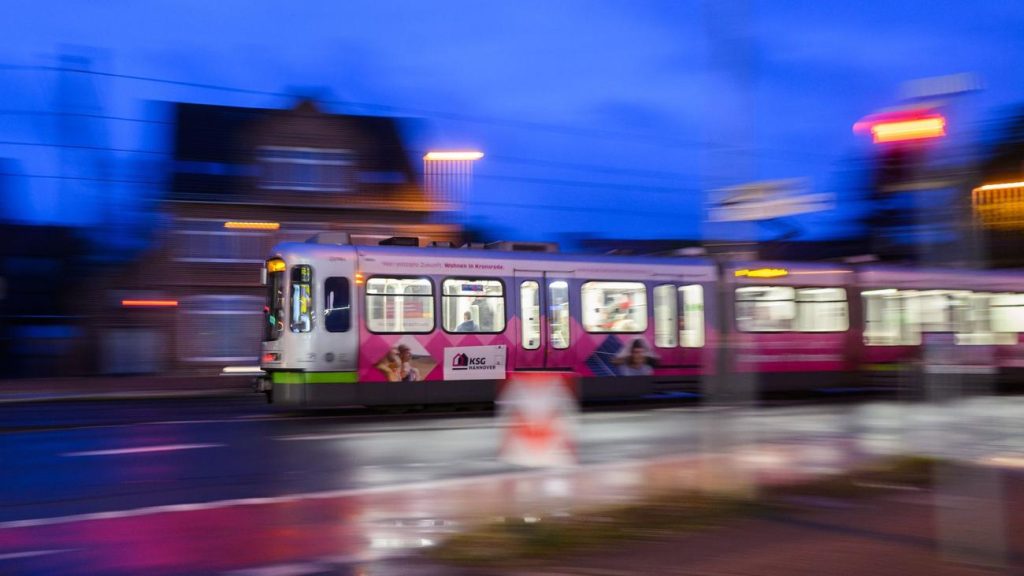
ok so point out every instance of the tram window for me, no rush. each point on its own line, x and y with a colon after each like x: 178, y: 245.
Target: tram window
x: 987, y: 319
x: 337, y: 305
x: 529, y: 311
x: 940, y: 310
x: 890, y: 318
x: 473, y: 306
x: 821, y: 310
x: 691, y: 317
x: 614, y: 307
x: 1007, y: 313
x: 765, y: 308
x: 302, y: 298
x: 273, y: 308
x: 665, y: 317
x: 399, y: 305
x: 558, y: 314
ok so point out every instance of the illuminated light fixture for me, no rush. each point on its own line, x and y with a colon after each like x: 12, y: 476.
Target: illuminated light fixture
x: 453, y: 156
x: 252, y: 225
x: 276, y: 265
x: 1005, y: 186
x: 359, y: 278
x: 149, y: 303
x: 918, y: 129
x: 762, y: 273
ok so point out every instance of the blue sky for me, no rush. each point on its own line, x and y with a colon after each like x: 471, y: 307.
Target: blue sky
x: 603, y: 118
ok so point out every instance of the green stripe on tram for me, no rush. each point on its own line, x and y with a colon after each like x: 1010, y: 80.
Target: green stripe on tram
x: 314, y: 378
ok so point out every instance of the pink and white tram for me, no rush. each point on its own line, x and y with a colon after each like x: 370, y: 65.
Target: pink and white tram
x: 376, y: 325
x: 380, y: 325
x: 964, y: 322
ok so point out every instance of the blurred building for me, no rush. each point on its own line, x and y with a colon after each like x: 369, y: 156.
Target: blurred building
x: 240, y: 181
x: 40, y: 293
x: 998, y: 200
x: 727, y: 250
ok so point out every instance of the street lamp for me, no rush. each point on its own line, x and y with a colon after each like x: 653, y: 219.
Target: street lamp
x: 448, y: 176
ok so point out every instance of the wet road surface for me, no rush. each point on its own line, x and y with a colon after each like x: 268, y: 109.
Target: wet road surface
x: 230, y: 486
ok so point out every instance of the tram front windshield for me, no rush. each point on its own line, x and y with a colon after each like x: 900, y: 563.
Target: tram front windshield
x: 273, y: 309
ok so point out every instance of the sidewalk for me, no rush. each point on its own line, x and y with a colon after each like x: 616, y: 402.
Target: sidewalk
x: 121, y: 387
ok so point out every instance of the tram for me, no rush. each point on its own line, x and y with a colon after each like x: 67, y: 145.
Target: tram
x: 408, y: 325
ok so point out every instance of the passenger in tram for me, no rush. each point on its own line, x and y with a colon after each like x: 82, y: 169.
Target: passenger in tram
x: 467, y: 324
x: 407, y: 371
x: 637, y: 362
x: 391, y: 365
x: 484, y: 313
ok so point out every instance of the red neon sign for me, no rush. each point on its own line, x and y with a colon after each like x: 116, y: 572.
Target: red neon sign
x: 149, y: 303
x: 903, y: 127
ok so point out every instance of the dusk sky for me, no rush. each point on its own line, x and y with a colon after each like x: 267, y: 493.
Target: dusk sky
x: 604, y: 118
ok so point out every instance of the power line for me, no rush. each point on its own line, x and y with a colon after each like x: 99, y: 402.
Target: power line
x: 83, y: 147
x: 82, y: 178
x: 577, y: 209
x: 587, y: 184
x: 80, y: 115
x: 589, y: 167
x: 456, y: 116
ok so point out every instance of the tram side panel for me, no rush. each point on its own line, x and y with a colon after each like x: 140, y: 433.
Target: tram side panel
x: 613, y: 357
x: 791, y: 325
x: 609, y: 331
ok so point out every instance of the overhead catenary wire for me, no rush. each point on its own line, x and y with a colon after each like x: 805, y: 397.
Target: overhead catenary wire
x: 599, y: 133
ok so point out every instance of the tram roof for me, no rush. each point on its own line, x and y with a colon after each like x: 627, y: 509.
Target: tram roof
x: 493, y: 254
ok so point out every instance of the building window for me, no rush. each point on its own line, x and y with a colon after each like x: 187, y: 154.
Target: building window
x: 619, y: 307
x: 529, y: 310
x: 473, y: 306
x: 305, y: 169
x: 400, y: 305
x: 691, y: 316
x: 220, y: 328
x: 558, y: 314
x: 337, y: 305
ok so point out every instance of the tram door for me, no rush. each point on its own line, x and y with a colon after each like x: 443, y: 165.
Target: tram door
x: 544, y: 334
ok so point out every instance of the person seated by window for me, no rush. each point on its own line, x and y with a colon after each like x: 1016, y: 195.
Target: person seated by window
x: 484, y: 312
x: 467, y: 324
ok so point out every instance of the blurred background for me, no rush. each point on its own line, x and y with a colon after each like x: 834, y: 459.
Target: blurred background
x: 131, y: 133
x: 152, y: 154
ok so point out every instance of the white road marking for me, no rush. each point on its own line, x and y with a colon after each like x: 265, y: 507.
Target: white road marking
x: 142, y: 450
x: 1005, y: 461
x: 32, y: 554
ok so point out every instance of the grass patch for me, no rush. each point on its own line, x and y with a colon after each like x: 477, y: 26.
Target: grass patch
x: 522, y: 541
x: 895, y: 473
x: 518, y: 541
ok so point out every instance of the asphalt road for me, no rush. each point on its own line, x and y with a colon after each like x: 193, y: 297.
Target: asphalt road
x: 229, y: 485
